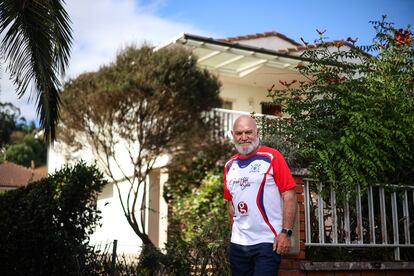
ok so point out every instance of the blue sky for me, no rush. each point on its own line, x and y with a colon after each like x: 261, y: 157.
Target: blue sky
x: 297, y: 18
x: 101, y: 28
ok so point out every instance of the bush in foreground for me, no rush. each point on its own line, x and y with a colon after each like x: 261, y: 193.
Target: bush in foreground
x: 45, y: 226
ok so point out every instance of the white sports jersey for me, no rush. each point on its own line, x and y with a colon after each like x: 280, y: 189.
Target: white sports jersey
x: 254, y: 185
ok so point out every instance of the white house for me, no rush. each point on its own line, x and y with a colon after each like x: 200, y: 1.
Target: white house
x: 247, y: 67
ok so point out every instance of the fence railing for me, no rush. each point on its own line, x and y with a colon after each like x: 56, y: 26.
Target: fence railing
x: 383, y: 216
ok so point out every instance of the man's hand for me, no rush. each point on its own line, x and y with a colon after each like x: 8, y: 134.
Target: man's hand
x: 281, y: 244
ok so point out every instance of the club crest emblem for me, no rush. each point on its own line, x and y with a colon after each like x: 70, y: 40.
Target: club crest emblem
x: 255, y: 168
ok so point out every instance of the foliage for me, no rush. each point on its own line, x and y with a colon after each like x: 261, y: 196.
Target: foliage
x: 36, y: 44
x: 199, y: 229
x: 8, y: 118
x: 188, y: 172
x: 31, y: 149
x: 203, y: 205
x: 189, y: 168
x: 353, y: 118
x: 272, y: 135
x: 17, y: 138
x: 145, y: 104
x: 205, y: 253
x: 200, y: 246
x: 45, y: 226
x: 20, y: 154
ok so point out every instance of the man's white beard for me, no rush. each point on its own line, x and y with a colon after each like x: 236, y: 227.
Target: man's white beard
x: 249, y: 149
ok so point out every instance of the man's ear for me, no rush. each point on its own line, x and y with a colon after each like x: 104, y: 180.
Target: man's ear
x: 258, y: 130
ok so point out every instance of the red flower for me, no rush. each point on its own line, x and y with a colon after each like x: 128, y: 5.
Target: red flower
x: 339, y: 43
x: 402, y: 37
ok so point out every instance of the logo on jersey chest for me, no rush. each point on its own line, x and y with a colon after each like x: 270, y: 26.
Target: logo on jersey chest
x: 255, y: 168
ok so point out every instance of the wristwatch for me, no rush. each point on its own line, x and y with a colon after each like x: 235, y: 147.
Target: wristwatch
x: 288, y: 232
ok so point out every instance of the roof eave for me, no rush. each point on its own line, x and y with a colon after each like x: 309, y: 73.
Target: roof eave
x: 185, y: 37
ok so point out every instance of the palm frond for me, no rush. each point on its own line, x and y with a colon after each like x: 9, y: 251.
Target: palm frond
x: 37, y: 47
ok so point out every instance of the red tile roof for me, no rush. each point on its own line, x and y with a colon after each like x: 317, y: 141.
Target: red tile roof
x: 260, y: 35
x: 13, y: 175
x: 325, y: 44
x: 299, y: 47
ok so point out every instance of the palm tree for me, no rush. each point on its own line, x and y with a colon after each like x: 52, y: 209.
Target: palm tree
x: 36, y: 45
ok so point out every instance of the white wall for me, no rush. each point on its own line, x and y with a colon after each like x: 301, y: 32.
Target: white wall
x: 271, y: 43
x: 244, y: 98
x: 114, y: 224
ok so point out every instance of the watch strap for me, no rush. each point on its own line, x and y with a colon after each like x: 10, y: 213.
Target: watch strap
x: 287, y: 231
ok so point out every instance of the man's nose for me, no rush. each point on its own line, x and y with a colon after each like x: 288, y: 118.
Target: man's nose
x: 244, y: 136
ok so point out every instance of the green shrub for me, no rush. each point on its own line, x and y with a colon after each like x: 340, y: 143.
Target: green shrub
x: 45, y: 226
x: 351, y: 114
x: 199, y: 229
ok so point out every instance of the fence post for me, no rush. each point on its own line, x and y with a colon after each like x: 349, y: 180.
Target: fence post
x: 113, y: 263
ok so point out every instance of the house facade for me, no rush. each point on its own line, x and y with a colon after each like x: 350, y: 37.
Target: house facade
x: 246, y: 66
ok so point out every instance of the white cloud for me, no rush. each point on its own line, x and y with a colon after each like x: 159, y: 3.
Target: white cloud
x: 100, y: 29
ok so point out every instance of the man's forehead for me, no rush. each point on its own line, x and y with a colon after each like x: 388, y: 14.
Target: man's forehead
x: 244, y: 123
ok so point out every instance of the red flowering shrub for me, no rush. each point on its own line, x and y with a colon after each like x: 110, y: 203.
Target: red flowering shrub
x: 353, y: 120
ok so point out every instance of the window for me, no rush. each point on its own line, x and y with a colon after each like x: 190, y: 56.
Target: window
x: 271, y: 109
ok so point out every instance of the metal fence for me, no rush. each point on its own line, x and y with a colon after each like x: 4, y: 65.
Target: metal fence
x: 382, y: 216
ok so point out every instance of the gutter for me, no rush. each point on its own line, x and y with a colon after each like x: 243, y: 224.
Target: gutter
x: 239, y: 46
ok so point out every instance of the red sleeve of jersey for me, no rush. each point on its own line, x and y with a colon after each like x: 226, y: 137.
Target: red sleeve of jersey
x: 282, y: 174
x: 227, y: 195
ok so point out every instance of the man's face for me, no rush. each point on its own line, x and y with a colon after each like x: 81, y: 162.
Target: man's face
x: 245, y: 135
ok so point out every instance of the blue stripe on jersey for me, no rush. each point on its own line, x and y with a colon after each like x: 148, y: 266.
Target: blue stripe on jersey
x: 262, y: 203
x: 243, y: 163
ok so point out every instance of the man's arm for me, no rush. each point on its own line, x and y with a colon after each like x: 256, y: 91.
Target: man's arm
x: 282, y: 242
x: 230, y: 210
x: 289, y: 208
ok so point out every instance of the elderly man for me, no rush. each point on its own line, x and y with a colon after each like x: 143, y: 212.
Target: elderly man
x: 261, y: 203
